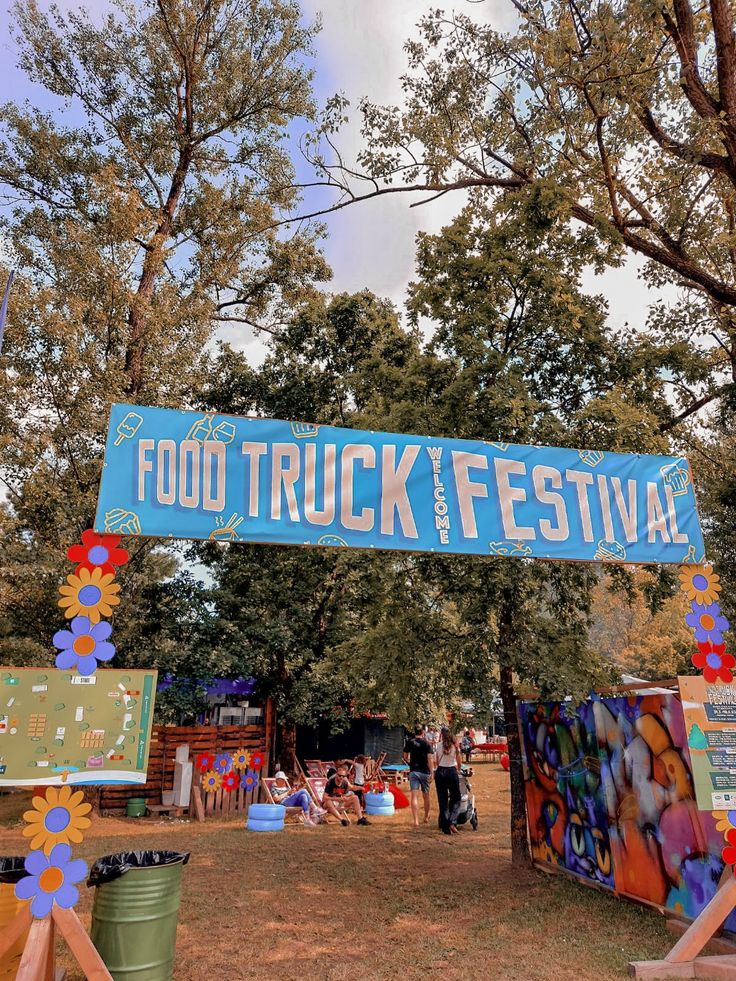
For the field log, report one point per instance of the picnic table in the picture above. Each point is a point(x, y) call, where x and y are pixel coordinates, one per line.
point(490, 751)
point(399, 771)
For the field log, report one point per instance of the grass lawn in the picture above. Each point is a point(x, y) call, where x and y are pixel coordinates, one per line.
point(385, 901)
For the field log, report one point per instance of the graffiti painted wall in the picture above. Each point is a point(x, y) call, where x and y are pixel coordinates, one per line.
point(610, 798)
point(566, 805)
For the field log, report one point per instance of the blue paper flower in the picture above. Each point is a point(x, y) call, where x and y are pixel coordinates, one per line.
point(223, 763)
point(250, 780)
point(51, 880)
point(707, 622)
point(83, 646)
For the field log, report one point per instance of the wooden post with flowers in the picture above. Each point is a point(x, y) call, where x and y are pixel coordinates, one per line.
point(58, 817)
point(702, 587)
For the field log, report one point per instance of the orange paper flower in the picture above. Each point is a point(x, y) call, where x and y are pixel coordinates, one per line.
point(211, 782)
point(57, 818)
point(700, 584)
point(90, 594)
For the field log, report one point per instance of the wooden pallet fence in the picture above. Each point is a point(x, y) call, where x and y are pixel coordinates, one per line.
point(164, 741)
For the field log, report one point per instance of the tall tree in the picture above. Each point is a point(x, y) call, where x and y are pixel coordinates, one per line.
point(280, 611)
point(621, 111)
point(528, 359)
point(516, 352)
point(141, 216)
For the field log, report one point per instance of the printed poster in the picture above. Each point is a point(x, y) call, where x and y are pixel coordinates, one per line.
point(710, 720)
point(62, 727)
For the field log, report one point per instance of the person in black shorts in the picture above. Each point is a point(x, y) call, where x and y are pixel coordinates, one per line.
point(338, 790)
point(418, 754)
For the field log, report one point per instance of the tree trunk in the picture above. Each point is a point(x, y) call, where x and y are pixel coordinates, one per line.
point(286, 747)
point(519, 845)
point(153, 263)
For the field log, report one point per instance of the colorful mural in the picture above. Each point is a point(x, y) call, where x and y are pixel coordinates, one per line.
point(568, 823)
point(610, 798)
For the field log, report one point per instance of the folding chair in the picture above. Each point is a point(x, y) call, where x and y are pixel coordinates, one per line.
point(316, 787)
point(267, 784)
point(315, 768)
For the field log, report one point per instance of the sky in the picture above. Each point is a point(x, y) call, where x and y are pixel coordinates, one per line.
point(360, 53)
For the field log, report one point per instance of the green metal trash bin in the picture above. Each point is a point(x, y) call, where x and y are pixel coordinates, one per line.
point(135, 911)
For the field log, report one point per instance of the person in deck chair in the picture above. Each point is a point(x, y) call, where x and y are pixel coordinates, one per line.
point(338, 790)
point(283, 794)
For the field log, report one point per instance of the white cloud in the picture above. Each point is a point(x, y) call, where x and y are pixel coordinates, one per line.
point(360, 53)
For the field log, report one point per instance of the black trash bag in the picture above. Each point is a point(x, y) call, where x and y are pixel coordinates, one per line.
point(12, 869)
point(111, 867)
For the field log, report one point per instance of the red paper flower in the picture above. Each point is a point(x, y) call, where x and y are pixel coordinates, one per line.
point(257, 760)
point(204, 762)
point(729, 852)
point(714, 662)
point(230, 781)
point(98, 552)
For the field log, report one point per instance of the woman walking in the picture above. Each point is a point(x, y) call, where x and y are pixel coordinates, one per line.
point(447, 782)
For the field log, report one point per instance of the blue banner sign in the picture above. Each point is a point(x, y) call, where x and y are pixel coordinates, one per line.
point(176, 474)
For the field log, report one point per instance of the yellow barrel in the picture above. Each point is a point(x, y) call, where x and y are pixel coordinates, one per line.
point(11, 868)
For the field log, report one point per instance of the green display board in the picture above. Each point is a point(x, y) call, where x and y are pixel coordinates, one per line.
point(61, 727)
point(710, 718)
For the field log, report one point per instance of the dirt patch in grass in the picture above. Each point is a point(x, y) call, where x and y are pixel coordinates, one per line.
point(381, 902)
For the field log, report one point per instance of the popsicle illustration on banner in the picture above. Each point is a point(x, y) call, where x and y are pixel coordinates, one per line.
point(128, 427)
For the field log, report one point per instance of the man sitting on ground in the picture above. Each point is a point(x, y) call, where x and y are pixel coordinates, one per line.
point(338, 790)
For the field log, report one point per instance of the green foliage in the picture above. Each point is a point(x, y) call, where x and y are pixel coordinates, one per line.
point(616, 117)
point(141, 216)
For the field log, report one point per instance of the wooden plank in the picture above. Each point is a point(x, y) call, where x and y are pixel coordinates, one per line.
point(660, 970)
point(50, 959)
point(78, 941)
point(718, 944)
point(34, 962)
point(530, 695)
point(706, 924)
point(20, 923)
point(198, 805)
point(719, 968)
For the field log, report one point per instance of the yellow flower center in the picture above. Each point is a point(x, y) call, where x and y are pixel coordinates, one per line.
point(51, 879)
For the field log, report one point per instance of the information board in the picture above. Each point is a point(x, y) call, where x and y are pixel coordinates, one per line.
point(177, 474)
point(710, 720)
point(61, 727)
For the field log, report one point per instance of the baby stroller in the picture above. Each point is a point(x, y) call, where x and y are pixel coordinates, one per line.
point(467, 813)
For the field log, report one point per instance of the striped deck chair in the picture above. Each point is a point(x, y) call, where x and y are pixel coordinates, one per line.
point(267, 783)
point(375, 774)
point(315, 768)
point(316, 787)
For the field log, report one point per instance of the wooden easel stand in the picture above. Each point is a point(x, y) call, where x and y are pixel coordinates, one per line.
point(38, 962)
point(683, 960)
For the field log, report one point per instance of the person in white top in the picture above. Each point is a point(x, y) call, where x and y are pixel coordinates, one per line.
point(447, 781)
